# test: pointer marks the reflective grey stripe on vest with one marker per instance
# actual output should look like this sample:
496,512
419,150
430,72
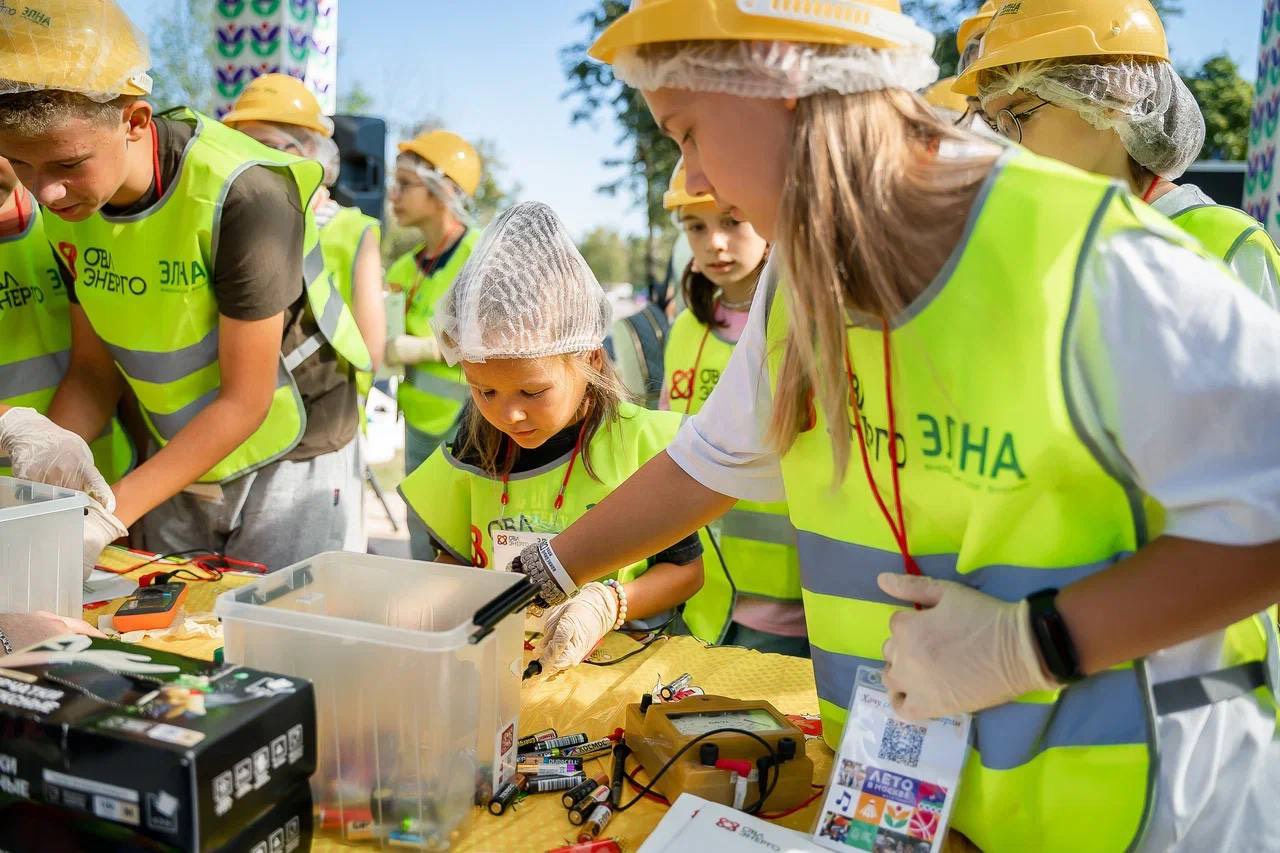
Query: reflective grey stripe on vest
429,383
164,367
758,527
38,373
329,315
169,424
845,570
1105,710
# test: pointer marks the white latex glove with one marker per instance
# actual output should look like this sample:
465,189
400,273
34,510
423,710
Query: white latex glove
101,528
43,452
411,349
577,626
966,651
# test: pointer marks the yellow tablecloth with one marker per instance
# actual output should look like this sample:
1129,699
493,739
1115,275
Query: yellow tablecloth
592,699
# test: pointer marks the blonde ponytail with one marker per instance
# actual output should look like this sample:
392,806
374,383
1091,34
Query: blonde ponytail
869,215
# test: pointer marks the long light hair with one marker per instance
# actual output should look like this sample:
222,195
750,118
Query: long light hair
868,215
599,407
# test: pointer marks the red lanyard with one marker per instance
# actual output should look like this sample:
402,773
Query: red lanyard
899,530
17,209
1146,197
564,484
425,274
697,359
155,161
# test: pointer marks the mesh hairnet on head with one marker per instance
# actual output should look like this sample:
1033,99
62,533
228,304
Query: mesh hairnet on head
525,292
438,184
1144,101
776,69
311,144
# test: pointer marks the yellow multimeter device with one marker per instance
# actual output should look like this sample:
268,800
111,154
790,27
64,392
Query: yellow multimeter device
656,733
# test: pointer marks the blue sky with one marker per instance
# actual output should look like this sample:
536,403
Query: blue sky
493,70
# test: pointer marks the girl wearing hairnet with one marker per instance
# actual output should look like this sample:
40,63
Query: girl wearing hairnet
1057,79
546,433
993,386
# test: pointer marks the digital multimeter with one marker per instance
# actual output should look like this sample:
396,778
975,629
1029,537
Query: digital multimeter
150,607
655,733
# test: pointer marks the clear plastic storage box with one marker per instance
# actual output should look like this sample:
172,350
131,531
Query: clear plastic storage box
41,544
417,675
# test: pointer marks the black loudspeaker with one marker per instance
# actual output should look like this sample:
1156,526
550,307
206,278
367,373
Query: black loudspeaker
362,182
1221,180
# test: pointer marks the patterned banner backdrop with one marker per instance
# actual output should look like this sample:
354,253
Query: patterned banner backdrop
1261,191
256,37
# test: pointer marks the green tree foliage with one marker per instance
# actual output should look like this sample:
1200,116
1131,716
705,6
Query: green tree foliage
1226,100
649,156
607,253
182,55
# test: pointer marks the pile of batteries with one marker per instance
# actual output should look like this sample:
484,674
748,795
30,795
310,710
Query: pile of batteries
549,763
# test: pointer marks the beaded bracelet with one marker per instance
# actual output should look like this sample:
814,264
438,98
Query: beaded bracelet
622,602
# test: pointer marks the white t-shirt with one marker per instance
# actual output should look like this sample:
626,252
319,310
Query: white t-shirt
1249,262
1176,369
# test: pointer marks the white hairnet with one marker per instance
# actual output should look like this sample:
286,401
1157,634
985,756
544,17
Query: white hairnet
312,145
438,184
776,69
1144,101
525,292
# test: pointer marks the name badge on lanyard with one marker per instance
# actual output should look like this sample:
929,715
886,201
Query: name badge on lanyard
893,782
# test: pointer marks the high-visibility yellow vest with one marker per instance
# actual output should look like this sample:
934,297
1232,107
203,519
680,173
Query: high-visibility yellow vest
757,541
1224,231
340,241
35,338
1003,491
145,283
432,393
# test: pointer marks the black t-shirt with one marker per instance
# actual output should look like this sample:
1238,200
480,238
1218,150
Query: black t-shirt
558,446
258,273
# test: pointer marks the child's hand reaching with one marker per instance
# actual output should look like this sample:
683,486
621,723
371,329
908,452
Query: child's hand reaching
577,626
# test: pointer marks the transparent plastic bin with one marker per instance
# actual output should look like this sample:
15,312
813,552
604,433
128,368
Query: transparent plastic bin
417,672
41,545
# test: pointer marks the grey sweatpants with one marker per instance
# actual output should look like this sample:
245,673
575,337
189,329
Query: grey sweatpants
278,515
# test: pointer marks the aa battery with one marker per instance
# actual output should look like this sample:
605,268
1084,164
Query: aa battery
597,820
530,741
556,783
505,796
548,767
668,691
578,814
574,794
553,743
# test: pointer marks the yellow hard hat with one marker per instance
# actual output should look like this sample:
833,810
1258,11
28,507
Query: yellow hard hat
1032,30
972,26
281,99
450,154
941,95
877,24
85,46
677,196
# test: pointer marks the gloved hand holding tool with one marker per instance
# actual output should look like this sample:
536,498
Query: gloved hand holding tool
575,627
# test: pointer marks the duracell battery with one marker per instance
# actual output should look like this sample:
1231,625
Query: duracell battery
529,741
505,796
553,743
597,820
558,783
548,767
578,814
574,794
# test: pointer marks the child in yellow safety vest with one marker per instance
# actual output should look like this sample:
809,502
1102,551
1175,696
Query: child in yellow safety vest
755,600
546,434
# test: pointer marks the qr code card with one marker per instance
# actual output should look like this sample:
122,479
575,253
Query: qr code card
893,782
